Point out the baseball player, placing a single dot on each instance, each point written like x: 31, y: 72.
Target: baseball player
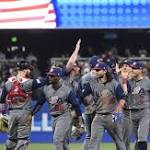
x: 113, y: 64
x: 110, y: 99
x: 88, y: 102
x: 17, y: 95
x: 59, y: 97
x: 138, y: 104
x: 123, y: 77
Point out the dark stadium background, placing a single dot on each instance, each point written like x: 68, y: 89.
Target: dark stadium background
x: 56, y: 43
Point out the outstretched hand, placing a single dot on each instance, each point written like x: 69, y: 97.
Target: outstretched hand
x: 78, y: 43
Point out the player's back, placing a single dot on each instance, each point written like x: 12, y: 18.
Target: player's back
x: 19, y: 93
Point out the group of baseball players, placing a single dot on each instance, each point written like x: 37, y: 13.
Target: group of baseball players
x: 115, y: 98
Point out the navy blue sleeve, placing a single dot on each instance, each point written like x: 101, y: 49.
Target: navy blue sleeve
x: 37, y: 83
x: 3, y: 95
x: 86, y: 90
x: 65, y: 72
x: 82, y: 93
x: 129, y: 86
x: 79, y: 91
x: 40, y: 101
x: 119, y: 92
x: 41, y: 97
x: 73, y: 101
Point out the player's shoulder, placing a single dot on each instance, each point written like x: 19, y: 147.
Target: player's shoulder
x: 147, y: 80
x: 66, y: 86
x: 21, y: 80
x: 87, y: 77
x: 10, y: 80
x: 115, y: 82
x: 46, y: 87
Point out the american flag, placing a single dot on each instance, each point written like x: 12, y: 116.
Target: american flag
x: 24, y: 14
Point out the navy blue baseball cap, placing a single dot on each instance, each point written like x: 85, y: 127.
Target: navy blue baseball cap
x: 127, y: 61
x: 93, y: 61
x: 21, y: 65
x: 137, y: 65
x: 55, y: 71
x: 111, y: 62
x: 101, y: 66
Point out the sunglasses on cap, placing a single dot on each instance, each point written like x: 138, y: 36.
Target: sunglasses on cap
x: 52, y: 75
x: 97, y: 69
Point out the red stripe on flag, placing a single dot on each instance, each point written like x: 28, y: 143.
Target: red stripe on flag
x: 8, y: 0
x: 24, y: 8
x: 50, y: 21
x: 51, y: 11
x: 21, y: 19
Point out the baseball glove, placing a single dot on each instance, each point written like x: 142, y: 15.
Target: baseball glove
x: 77, y: 132
x: 3, y: 123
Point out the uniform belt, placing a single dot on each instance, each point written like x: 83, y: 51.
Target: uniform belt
x: 56, y: 115
x: 14, y: 108
x: 134, y: 109
x: 107, y: 113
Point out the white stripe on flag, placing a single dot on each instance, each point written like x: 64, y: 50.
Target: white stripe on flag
x: 31, y: 25
x: 22, y: 3
x: 26, y: 14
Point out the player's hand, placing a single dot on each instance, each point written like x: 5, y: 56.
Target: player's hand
x: 77, y: 122
x: 77, y: 133
x: 120, y: 106
x: 3, y: 123
x: 78, y: 44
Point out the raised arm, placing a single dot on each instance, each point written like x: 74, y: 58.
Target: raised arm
x: 73, y: 57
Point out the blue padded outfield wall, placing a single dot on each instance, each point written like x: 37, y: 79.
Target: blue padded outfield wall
x: 102, y: 13
x: 42, y: 132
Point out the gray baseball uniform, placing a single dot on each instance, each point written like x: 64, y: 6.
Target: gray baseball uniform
x: 106, y: 96
x: 20, y: 108
x: 59, y: 101
x: 138, y: 103
x: 127, y: 124
x: 90, y: 108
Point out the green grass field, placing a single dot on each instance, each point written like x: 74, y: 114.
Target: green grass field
x: 104, y: 146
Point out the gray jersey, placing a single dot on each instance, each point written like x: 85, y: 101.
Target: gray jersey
x: 57, y: 99
x: 26, y: 85
x: 106, y: 95
x: 86, y: 78
x: 139, y: 94
x: 73, y: 84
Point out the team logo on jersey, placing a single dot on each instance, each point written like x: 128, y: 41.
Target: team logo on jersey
x: 138, y: 90
x: 55, y: 99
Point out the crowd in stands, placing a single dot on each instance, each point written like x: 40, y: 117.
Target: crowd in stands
x: 8, y: 63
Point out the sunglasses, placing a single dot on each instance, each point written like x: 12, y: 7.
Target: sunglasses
x: 97, y: 70
x: 51, y: 75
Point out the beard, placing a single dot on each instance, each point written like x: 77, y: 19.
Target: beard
x: 28, y: 74
x: 100, y: 76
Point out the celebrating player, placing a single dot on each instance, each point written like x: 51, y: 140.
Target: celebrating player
x: 109, y: 98
x: 17, y: 95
